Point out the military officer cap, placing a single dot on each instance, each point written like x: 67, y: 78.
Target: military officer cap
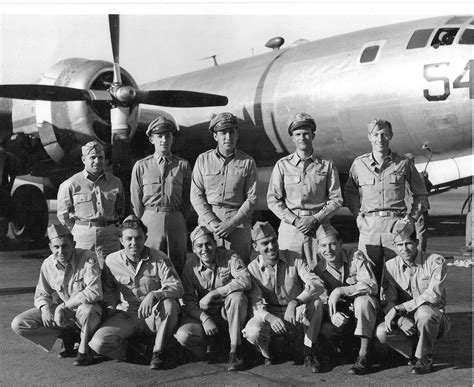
x: 222, y: 121
x: 325, y: 231
x: 403, y: 229
x: 161, y: 124
x: 92, y: 147
x: 198, y: 232
x: 57, y: 230
x: 301, y: 120
x: 262, y: 230
x: 379, y: 124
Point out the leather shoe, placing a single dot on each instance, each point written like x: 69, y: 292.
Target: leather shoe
x: 82, y: 359
x: 423, y: 365
x: 157, y: 363
x: 235, y: 362
x: 361, y: 366
x: 268, y: 361
x: 312, y: 362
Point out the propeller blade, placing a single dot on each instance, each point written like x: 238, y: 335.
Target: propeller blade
x: 114, y: 24
x: 180, y: 98
x: 44, y: 92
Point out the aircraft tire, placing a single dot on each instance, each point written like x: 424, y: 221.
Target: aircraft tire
x: 29, y: 218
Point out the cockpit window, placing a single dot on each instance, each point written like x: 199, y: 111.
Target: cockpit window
x: 444, y: 37
x: 458, y: 20
x: 419, y: 38
x: 467, y: 37
x: 369, y: 54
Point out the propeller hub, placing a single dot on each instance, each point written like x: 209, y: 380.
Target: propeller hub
x: 125, y: 94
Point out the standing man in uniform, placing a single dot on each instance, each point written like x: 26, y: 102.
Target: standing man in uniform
x: 159, y: 191
x: 67, y: 296
x: 224, y: 188
x: 416, y: 299
x: 91, y: 203
x: 375, y: 193
x: 214, y: 281
x: 304, y: 191
x: 350, y: 296
x: 284, y: 296
x: 141, y: 291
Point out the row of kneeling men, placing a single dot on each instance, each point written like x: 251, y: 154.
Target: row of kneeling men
x: 277, y: 297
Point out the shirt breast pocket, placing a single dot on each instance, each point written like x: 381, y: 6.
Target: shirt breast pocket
x: 292, y: 186
x: 83, y: 205
x: 211, y: 179
x: 151, y: 187
x: 78, y: 285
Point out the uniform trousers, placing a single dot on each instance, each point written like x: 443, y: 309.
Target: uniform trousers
x: 376, y: 240
x: 431, y: 324
x: 231, y: 316
x: 259, y: 332
x: 111, y: 339
x: 29, y: 325
x: 102, y: 240
x: 167, y: 232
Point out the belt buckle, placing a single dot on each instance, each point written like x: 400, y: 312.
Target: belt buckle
x: 384, y: 213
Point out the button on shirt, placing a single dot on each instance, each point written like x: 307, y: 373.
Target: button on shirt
x: 355, y: 276
x: 229, y: 275
x: 229, y: 182
x: 278, y: 285
x: 125, y: 286
x: 160, y: 183
x: 422, y: 283
x: 77, y: 283
x: 297, y: 184
x: 373, y: 187
x: 82, y: 198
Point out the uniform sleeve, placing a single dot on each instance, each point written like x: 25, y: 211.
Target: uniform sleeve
x: 351, y: 192
x: 198, y: 194
x: 65, y: 205
x: 257, y: 301
x: 190, y: 298
x: 361, y: 277
x: 333, y: 194
x: 110, y: 289
x: 44, y: 292
x: 171, y: 285
x: 276, y: 196
x: 136, y: 191
x: 418, y: 188
x: 314, y: 286
x: 120, y: 203
x: 434, y: 293
x: 92, y: 291
x: 186, y: 189
x: 240, y: 277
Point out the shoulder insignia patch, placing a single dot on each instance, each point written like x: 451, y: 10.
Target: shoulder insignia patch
x: 91, y: 260
x: 239, y: 265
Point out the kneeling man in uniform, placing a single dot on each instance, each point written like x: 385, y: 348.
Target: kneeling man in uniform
x: 284, y: 295
x: 214, y: 282
x: 416, y: 299
x: 66, y: 297
x: 351, y: 289
x: 141, y: 289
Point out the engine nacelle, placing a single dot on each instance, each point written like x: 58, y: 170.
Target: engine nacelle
x: 65, y: 126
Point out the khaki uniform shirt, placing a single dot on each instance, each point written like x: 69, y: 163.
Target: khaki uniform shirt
x: 278, y: 285
x: 414, y: 286
x: 355, y: 276
x: 125, y: 286
x: 80, y: 198
x: 231, y: 183
x: 77, y: 283
x: 310, y: 185
x: 157, y: 183
x: 229, y: 275
x: 373, y: 187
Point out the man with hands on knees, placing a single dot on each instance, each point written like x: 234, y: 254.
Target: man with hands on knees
x: 416, y: 299
x: 66, y: 297
x: 351, y: 306
x: 141, y: 289
x: 214, y: 281
x: 284, y: 294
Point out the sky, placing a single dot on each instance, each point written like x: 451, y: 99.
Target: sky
x: 162, y: 40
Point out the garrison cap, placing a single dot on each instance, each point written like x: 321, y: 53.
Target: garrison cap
x: 161, y: 124
x: 222, y: 121
x: 326, y: 230
x: 402, y: 229
x: 134, y: 222
x: 262, y: 230
x: 58, y: 230
x: 379, y: 124
x: 301, y: 120
x: 92, y: 147
x: 198, y: 232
